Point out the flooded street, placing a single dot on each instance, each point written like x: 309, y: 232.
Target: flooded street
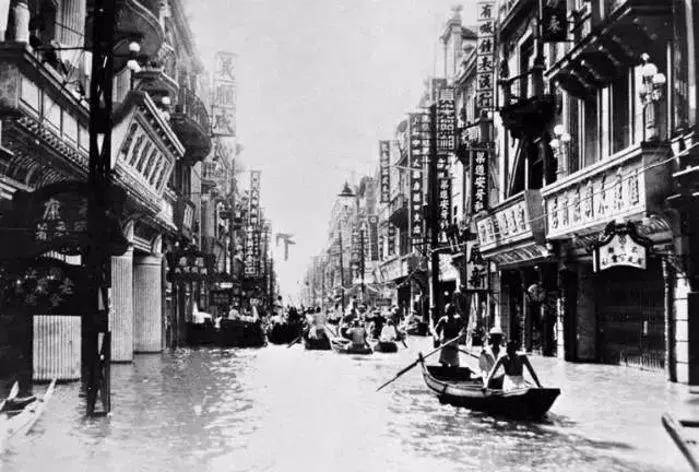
x: 279, y: 409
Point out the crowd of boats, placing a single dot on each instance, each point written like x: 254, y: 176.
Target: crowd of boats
x: 363, y: 331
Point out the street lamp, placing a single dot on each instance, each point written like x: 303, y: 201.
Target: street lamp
x: 651, y: 93
x: 560, y: 145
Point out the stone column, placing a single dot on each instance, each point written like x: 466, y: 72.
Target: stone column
x: 21, y: 12
x: 147, y: 304
x: 73, y: 18
x: 586, y: 313
x: 121, y: 312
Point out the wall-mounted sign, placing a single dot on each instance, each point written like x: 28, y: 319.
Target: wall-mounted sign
x: 190, y: 266
x: 253, y: 229
x: 55, y: 218
x: 221, y: 298
x: 385, y: 170
x: 479, y: 180
x: 476, y: 269
x: 419, y: 129
x: 391, y: 236
x: 485, y: 57
x: 373, y: 232
x: 224, y: 103
x: 446, y: 120
x: 620, y: 245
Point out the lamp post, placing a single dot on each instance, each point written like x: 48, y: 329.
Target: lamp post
x: 651, y: 93
x: 560, y: 145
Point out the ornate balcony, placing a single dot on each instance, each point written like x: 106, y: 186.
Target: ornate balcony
x: 513, y: 232
x: 625, y: 187
x: 610, y: 35
x: 191, y: 123
x: 136, y: 19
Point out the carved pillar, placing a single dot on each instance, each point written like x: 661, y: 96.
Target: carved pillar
x: 669, y: 295
x: 21, y: 14
x: 147, y: 303
x: 121, y: 313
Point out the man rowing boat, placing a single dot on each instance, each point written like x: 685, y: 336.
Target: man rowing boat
x: 448, y: 327
x: 489, y: 356
x: 513, y: 363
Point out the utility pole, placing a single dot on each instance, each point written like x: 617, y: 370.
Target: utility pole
x: 95, y: 319
x: 362, y: 263
x: 433, y: 218
x: 342, y: 273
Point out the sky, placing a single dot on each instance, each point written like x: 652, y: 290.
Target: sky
x: 320, y: 82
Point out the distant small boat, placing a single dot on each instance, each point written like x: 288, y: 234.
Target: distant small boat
x: 18, y: 418
x: 684, y: 433
x: 316, y: 344
x: 241, y: 333
x: 342, y: 347
x: 283, y: 333
x: 455, y: 386
x: 201, y: 330
x: 385, y: 346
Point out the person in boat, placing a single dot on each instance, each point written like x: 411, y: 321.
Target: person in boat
x: 377, y: 324
x: 357, y: 334
x: 317, y: 330
x: 233, y: 313
x: 388, y: 332
x: 513, y: 364
x: 489, y: 356
x: 447, y: 328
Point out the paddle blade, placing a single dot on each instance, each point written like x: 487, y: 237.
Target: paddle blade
x: 398, y: 375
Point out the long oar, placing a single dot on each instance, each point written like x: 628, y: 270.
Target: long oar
x: 294, y: 341
x: 419, y: 359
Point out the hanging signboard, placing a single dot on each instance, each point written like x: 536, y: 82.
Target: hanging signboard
x: 385, y: 171
x: 446, y: 120
x: 419, y: 128
x: 373, y: 232
x: 479, y: 179
x: 224, y: 100
x: 444, y: 196
x: 554, y: 24
x: 476, y: 269
x: 221, y: 298
x: 485, y: 57
x: 620, y: 245
x: 391, y: 236
x: 253, y: 228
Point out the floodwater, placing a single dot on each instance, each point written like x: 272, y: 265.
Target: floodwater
x: 279, y: 409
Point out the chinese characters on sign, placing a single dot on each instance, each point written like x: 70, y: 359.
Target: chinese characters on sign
x: 385, y: 170
x: 485, y: 57
x: 444, y: 196
x: 224, y: 102
x: 419, y: 148
x: 190, y: 266
x: 391, y: 249
x: 479, y: 180
x: 554, y: 24
x: 620, y: 246
x: 373, y: 238
x: 446, y: 121
x: 476, y: 268
x: 253, y: 228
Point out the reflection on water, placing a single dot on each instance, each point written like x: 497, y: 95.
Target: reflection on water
x: 278, y: 409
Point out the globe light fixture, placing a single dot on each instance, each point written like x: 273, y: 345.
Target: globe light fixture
x: 134, y: 47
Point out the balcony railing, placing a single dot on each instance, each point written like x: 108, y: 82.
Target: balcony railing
x: 189, y: 104
x: 191, y: 123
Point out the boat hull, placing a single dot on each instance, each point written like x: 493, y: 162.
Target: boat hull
x: 201, y: 334
x: 320, y: 344
x: 343, y: 348
x: 456, y: 387
x: 386, y: 347
x: 283, y: 333
x: 238, y: 333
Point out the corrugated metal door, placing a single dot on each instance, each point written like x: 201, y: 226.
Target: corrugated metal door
x: 56, y: 347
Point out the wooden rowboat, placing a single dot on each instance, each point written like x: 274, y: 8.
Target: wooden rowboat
x: 283, y: 333
x: 342, y: 347
x: 684, y: 433
x: 316, y: 344
x: 240, y: 333
x: 457, y: 387
x: 18, y: 423
x: 385, y: 346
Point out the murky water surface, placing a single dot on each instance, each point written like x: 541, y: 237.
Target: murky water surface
x: 279, y: 409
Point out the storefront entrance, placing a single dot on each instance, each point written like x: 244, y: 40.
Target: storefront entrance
x: 630, y: 316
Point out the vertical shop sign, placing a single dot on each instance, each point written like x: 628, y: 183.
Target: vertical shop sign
x: 479, y: 180
x: 253, y: 228
x: 391, y: 249
x: 476, y: 277
x: 444, y: 196
x: 485, y: 57
x: 418, y: 149
x: 554, y: 24
x: 373, y: 238
x: 223, y: 110
x: 385, y: 170
x: 446, y: 120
